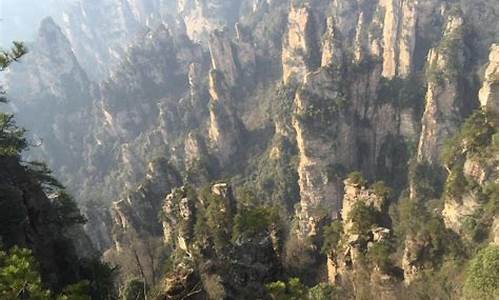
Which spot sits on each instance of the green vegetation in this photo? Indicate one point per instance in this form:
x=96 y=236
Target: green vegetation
x=332 y=234
x=12 y=140
x=321 y=111
x=101 y=278
x=357 y=178
x=19 y=276
x=273 y=178
x=250 y=222
x=20 y=279
x=424 y=224
x=67 y=212
x=293 y=289
x=363 y=218
x=452 y=48
x=402 y=92
x=381 y=190
x=477 y=226
x=134 y=290
x=53 y=209
x=427 y=180
x=379 y=255
x=481 y=280
x=478 y=138
x=213 y=220
x=9 y=56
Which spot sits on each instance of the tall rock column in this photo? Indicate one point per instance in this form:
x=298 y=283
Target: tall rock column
x=332 y=52
x=225 y=127
x=296 y=45
x=399 y=34
x=443 y=101
x=488 y=95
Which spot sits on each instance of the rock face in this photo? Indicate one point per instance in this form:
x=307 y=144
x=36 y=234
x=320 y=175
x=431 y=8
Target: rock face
x=136 y=215
x=444 y=99
x=247 y=262
x=398 y=37
x=479 y=171
x=110 y=26
x=225 y=128
x=297 y=46
x=332 y=52
x=282 y=98
x=223 y=61
x=488 y=95
x=201 y=18
x=50 y=76
x=346 y=261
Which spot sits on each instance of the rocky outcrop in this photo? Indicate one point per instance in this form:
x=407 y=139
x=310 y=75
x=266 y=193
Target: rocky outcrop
x=346 y=261
x=136 y=216
x=444 y=99
x=247 y=57
x=469 y=178
x=399 y=37
x=332 y=51
x=296 y=45
x=488 y=94
x=223 y=60
x=239 y=270
x=110 y=26
x=51 y=76
x=355 y=192
x=179 y=217
x=328 y=105
x=203 y=17
x=225 y=128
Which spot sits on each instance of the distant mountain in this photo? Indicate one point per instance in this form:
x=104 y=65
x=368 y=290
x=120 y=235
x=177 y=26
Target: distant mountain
x=223 y=149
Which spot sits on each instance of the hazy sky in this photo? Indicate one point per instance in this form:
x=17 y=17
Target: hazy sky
x=20 y=18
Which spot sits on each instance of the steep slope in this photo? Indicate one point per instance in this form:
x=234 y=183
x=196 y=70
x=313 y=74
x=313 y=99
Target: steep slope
x=283 y=107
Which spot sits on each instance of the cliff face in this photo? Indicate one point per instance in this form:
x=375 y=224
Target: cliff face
x=201 y=18
x=488 y=94
x=477 y=171
x=284 y=99
x=346 y=262
x=443 y=108
x=51 y=76
x=207 y=261
x=110 y=26
x=346 y=87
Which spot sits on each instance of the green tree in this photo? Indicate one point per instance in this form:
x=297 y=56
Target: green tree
x=322 y=291
x=379 y=255
x=19 y=276
x=77 y=291
x=101 y=277
x=12 y=140
x=292 y=290
x=363 y=218
x=482 y=275
x=331 y=236
x=134 y=290
x=252 y=221
x=357 y=178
